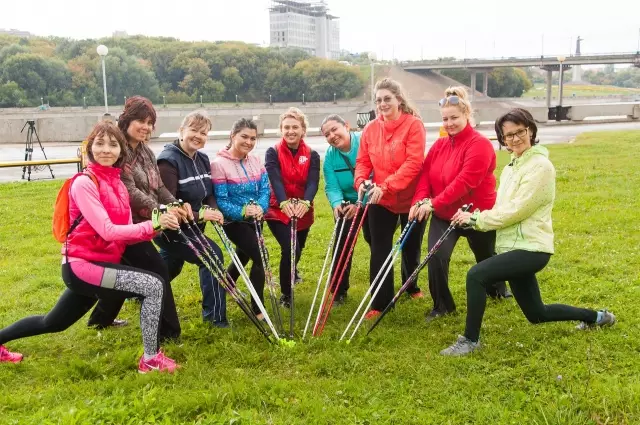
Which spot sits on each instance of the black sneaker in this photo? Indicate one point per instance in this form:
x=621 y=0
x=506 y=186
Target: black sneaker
x=285 y=301
x=340 y=299
x=433 y=315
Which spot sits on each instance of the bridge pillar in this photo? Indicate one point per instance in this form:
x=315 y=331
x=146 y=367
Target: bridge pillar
x=485 y=84
x=549 y=83
x=474 y=74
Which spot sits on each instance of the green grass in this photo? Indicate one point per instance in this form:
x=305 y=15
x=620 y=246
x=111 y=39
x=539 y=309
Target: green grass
x=525 y=374
x=540 y=90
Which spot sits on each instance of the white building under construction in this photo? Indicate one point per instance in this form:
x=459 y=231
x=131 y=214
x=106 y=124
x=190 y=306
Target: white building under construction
x=305 y=25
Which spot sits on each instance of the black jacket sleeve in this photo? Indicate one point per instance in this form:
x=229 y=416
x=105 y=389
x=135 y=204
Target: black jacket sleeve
x=272 y=164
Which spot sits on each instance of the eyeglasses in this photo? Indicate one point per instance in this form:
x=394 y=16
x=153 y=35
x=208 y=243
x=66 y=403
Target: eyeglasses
x=520 y=133
x=386 y=99
x=451 y=100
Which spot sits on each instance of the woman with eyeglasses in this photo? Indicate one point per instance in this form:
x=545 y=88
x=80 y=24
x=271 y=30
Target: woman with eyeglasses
x=522 y=219
x=392 y=148
x=458 y=170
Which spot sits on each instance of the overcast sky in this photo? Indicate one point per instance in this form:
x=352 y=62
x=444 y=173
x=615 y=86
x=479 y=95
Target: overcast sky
x=403 y=29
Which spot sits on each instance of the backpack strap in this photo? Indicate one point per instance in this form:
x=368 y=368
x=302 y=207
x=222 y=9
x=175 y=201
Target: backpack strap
x=346 y=161
x=78 y=219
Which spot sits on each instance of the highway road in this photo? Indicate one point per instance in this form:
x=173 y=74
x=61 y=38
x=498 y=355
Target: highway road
x=548 y=134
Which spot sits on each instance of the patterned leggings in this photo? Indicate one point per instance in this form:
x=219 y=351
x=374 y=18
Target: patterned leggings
x=79 y=298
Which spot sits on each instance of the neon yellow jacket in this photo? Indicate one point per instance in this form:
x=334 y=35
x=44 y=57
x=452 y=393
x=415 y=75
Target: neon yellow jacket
x=522 y=213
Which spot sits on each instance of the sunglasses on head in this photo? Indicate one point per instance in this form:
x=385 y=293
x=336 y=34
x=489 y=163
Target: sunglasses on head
x=450 y=100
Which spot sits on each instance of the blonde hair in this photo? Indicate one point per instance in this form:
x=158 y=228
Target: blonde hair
x=463 y=104
x=197 y=119
x=296 y=114
x=396 y=89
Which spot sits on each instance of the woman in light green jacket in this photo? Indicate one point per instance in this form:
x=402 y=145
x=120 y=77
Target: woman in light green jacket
x=524 y=237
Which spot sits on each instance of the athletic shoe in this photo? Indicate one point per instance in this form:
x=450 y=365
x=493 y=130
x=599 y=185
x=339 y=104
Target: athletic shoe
x=416 y=295
x=608 y=319
x=285 y=301
x=372 y=314
x=159 y=362
x=298 y=278
x=340 y=299
x=7 y=356
x=462 y=347
x=433 y=315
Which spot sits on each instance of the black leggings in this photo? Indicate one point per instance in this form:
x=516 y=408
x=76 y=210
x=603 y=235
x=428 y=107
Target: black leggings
x=282 y=233
x=519 y=268
x=382 y=225
x=482 y=245
x=80 y=296
x=145 y=256
x=243 y=235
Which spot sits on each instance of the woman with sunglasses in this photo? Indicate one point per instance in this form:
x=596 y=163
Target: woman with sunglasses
x=458 y=170
x=392 y=148
x=522 y=219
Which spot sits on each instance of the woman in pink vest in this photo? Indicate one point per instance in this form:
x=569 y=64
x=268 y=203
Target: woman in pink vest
x=101 y=229
x=294 y=173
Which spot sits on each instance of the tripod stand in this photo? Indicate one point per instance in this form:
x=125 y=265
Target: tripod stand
x=28 y=149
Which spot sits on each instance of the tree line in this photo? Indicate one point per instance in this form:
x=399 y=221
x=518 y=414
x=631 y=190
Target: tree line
x=64 y=72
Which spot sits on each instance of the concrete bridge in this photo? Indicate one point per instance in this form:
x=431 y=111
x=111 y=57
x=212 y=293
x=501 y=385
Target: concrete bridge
x=548 y=63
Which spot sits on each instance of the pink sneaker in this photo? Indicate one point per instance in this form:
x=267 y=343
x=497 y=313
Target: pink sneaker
x=8 y=356
x=159 y=362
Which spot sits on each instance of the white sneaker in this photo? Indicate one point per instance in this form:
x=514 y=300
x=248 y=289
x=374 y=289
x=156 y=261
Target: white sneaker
x=462 y=347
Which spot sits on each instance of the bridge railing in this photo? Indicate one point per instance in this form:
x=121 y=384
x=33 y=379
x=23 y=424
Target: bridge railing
x=552 y=58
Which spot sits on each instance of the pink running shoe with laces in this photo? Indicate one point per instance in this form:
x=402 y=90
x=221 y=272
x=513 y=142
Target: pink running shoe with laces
x=7 y=356
x=159 y=362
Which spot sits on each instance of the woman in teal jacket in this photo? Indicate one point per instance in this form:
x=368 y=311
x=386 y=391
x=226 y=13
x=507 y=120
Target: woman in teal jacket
x=524 y=237
x=338 y=169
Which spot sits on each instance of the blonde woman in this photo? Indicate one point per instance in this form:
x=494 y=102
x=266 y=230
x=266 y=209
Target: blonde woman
x=294 y=173
x=457 y=170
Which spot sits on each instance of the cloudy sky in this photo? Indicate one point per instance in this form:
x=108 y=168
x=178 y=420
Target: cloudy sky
x=403 y=29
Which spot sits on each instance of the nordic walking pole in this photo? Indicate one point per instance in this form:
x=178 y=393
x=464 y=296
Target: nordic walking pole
x=377 y=282
x=218 y=273
x=350 y=243
x=236 y=261
x=269 y=280
x=324 y=265
x=337 y=277
x=415 y=273
x=328 y=279
x=294 y=247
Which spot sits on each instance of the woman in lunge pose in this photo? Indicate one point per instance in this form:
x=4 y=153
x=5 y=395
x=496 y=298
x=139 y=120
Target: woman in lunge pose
x=339 y=170
x=524 y=242
x=186 y=173
x=392 y=148
x=101 y=228
x=294 y=173
x=141 y=177
x=458 y=170
x=241 y=188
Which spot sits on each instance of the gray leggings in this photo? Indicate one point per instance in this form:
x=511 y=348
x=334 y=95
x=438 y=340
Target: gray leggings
x=79 y=298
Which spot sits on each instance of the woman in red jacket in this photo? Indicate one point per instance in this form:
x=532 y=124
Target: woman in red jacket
x=457 y=170
x=294 y=173
x=392 y=148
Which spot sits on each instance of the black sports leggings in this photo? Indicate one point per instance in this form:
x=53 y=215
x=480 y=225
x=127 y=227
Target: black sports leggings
x=519 y=268
x=80 y=296
x=282 y=233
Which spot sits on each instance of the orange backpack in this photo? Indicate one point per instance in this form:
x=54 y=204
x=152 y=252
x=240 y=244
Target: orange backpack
x=61 y=225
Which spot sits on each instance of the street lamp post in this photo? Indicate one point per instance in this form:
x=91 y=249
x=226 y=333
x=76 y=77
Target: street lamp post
x=561 y=59
x=103 y=51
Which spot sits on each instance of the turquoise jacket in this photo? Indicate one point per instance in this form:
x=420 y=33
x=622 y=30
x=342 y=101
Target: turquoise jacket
x=338 y=177
x=522 y=213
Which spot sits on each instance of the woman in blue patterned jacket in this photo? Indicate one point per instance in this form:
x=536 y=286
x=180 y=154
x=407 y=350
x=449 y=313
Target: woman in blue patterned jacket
x=239 y=178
